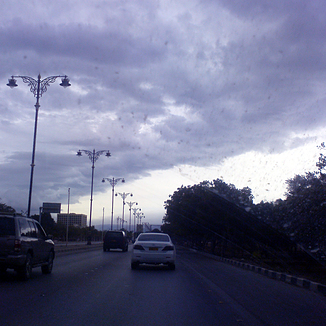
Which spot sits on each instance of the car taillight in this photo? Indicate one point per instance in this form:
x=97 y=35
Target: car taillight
x=17 y=245
x=168 y=248
x=138 y=247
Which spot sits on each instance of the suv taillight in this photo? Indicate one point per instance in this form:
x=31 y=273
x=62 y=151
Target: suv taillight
x=17 y=245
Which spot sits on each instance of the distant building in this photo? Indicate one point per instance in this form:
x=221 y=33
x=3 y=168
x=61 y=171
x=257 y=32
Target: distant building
x=73 y=219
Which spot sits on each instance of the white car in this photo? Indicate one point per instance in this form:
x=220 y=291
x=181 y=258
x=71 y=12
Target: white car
x=153 y=248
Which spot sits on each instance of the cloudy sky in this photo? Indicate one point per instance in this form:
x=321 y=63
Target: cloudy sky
x=178 y=91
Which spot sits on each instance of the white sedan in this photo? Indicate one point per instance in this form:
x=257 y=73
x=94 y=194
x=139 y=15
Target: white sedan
x=153 y=248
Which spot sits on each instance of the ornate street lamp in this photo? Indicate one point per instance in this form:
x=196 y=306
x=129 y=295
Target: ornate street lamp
x=123 y=196
x=113 y=182
x=103 y=224
x=93 y=156
x=141 y=215
x=37 y=87
x=135 y=212
x=68 y=215
x=130 y=204
x=119 y=223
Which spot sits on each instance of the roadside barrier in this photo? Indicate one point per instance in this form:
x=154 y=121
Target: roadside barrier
x=290 y=279
x=76 y=246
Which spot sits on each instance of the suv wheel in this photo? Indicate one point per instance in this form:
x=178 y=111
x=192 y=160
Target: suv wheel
x=172 y=266
x=134 y=265
x=47 y=269
x=25 y=272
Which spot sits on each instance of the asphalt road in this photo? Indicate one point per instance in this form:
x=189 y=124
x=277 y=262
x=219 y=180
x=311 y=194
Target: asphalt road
x=99 y=288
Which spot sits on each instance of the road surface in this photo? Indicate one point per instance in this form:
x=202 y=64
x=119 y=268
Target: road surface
x=99 y=288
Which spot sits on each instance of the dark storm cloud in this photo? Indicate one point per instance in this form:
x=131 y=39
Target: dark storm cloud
x=158 y=83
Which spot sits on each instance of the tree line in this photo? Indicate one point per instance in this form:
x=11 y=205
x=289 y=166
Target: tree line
x=302 y=214
x=218 y=217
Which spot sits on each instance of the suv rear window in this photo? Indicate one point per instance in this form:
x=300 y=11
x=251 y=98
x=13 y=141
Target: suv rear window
x=24 y=227
x=114 y=235
x=7 y=226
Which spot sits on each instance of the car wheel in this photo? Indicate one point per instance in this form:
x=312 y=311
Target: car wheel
x=25 y=272
x=134 y=265
x=47 y=269
x=172 y=266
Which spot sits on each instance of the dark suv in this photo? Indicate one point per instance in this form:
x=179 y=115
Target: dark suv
x=115 y=240
x=24 y=245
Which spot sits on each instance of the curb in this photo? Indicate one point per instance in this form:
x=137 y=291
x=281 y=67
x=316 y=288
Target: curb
x=286 y=278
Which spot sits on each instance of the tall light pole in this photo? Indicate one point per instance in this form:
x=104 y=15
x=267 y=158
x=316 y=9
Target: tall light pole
x=119 y=222
x=135 y=212
x=123 y=196
x=123 y=222
x=37 y=87
x=103 y=225
x=68 y=217
x=93 y=156
x=140 y=216
x=113 y=182
x=130 y=204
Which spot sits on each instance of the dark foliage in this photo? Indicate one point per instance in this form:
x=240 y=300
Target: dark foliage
x=219 y=218
x=302 y=215
x=46 y=221
x=6 y=209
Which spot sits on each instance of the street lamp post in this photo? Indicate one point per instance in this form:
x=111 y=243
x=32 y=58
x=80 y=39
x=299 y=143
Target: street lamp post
x=37 y=87
x=40 y=215
x=130 y=204
x=123 y=196
x=140 y=216
x=68 y=213
x=113 y=182
x=103 y=225
x=123 y=222
x=93 y=156
x=135 y=211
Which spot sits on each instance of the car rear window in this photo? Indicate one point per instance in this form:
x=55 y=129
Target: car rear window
x=154 y=237
x=7 y=226
x=114 y=235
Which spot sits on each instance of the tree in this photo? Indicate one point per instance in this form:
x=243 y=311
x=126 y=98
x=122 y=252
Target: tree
x=306 y=210
x=192 y=209
x=321 y=164
x=302 y=215
x=6 y=209
x=47 y=222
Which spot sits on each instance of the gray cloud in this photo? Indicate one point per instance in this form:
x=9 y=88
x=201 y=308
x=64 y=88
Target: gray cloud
x=158 y=84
